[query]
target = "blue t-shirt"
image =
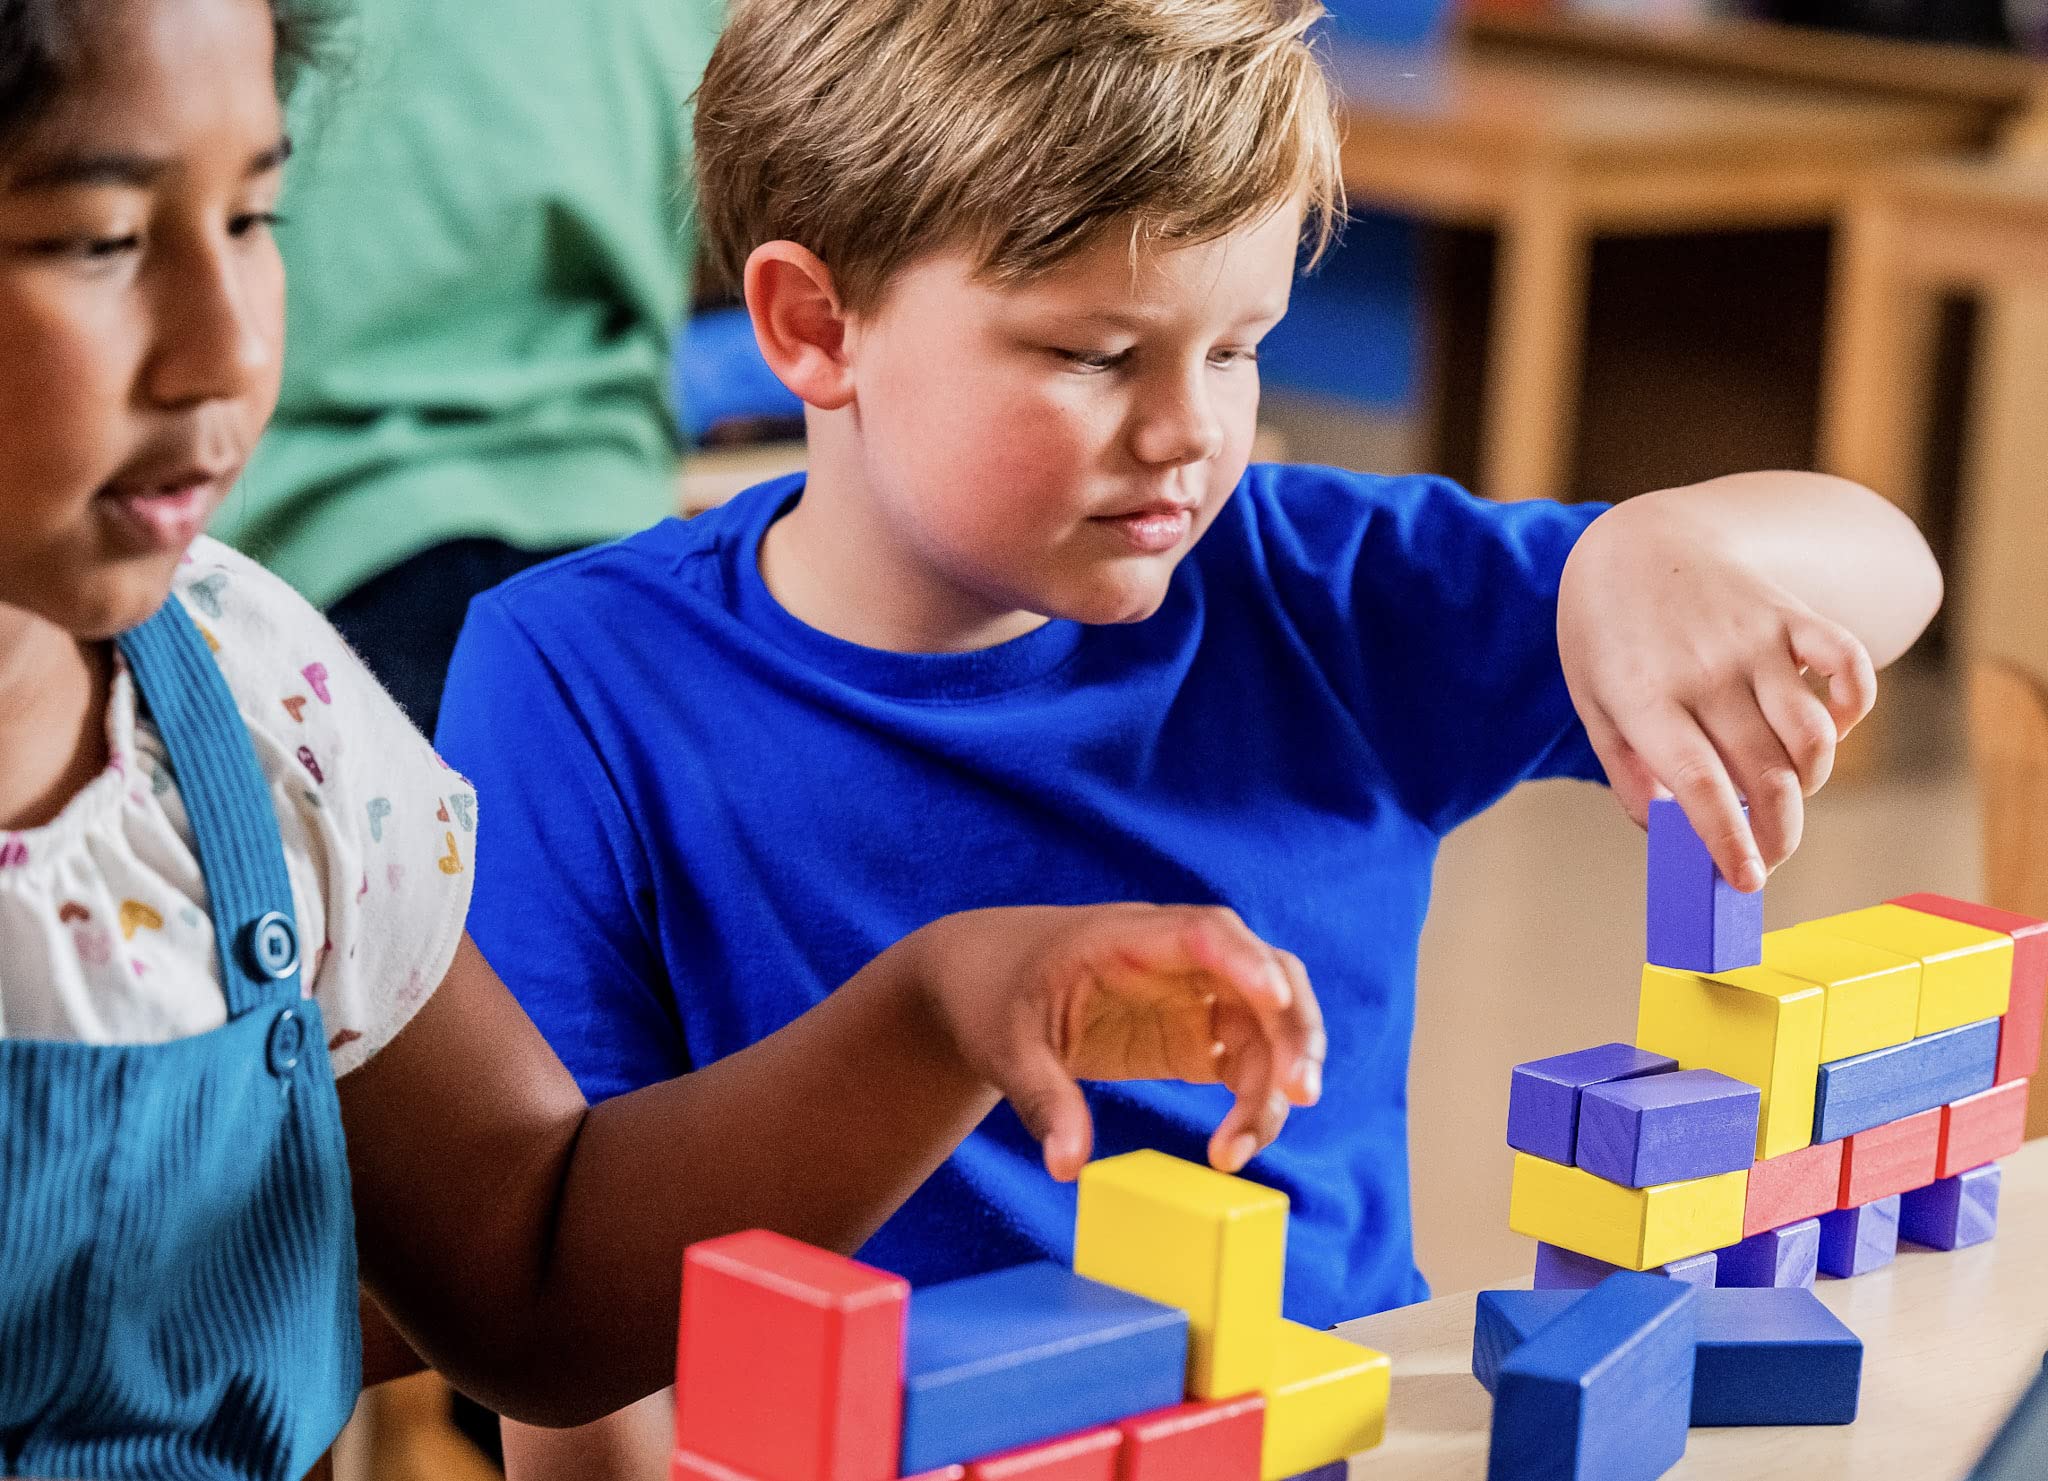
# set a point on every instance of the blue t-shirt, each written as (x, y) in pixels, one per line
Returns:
(700, 815)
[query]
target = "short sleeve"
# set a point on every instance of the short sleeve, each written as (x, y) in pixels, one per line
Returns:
(563, 909)
(1435, 615)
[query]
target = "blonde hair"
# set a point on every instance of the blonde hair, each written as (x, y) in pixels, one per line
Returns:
(874, 131)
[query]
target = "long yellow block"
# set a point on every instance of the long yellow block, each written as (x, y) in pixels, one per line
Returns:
(1326, 1399)
(1756, 1025)
(1873, 995)
(1966, 971)
(1213, 1245)
(1632, 1227)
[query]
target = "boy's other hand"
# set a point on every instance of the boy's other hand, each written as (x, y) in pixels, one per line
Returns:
(1691, 670)
(1037, 998)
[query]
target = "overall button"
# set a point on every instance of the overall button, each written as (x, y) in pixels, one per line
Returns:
(270, 947)
(287, 1039)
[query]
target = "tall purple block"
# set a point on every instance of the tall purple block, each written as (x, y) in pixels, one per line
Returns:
(1854, 1240)
(1560, 1269)
(1543, 1096)
(1775, 1259)
(1336, 1470)
(1667, 1128)
(1957, 1211)
(1698, 922)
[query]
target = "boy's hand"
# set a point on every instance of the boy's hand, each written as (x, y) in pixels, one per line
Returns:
(1039, 997)
(1691, 670)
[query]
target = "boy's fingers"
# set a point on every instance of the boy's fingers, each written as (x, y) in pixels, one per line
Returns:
(1206, 940)
(1802, 724)
(1825, 647)
(1050, 1104)
(1679, 753)
(1243, 1129)
(1299, 1055)
(1629, 778)
(1762, 772)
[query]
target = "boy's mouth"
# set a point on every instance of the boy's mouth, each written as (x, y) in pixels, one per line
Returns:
(1154, 529)
(164, 513)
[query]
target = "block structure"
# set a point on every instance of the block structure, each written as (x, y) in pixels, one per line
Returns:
(1799, 1185)
(1190, 1237)
(1754, 1025)
(1873, 995)
(1892, 1158)
(789, 1361)
(1853, 1095)
(1953, 1213)
(1326, 1399)
(1503, 1320)
(1774, 1357)
(1982, 1128)
(1089, 1455)
(1966, 971)
(1854, 1241)
(1544, 1094)
(1218, 1441)
(1668, 1128)
(1634, 1228)
(1560, 1269)
(1697, 921)
(2019, 1049)
(1777, 1259)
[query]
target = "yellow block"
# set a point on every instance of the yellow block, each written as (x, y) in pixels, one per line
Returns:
(1966, 971)
(1873, 995)
(1632, 1227)
(1755, 1024)
(1213, 1245)
(1326, 1399)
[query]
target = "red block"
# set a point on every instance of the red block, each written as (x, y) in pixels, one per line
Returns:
(687, 1465)
(1798, 1185)
(944, 1473)
(2019, 1039)
(1896, 1157)
(1982, 1128)
(1196, 1442)
(790, 1362)
(1090, 1455)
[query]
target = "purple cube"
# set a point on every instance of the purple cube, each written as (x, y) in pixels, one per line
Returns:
(1543, 1096)
(1953, 1213)
(1854, 1240)
(1776, 1259)
(1698, 922)
(1560, 1269)
(1668, 1128)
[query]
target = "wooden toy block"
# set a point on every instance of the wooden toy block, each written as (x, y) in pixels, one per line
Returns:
(1966, 971)
(1006, 1360)
(1982, 1128)
(1873, 995)
(1336, 1470)
(1953, 1213)
(1777, 1259)
(1559, 1269)
(1186, 1236)
(1543, 1095)
(1503, 1320)
(1855, 1240)
(1853, 1095)
(1755, 1025)
(789, 1362)
(1697, 921)
(943, 1473)
(687, 1465)
(1773, 1357)
(1326, 1399)
(1091, 1455)
(1799, 1185)
(2019, 1048)
(1891, 1158)
(1634, 1228)
(1668, 1128)
(1219, 1441)
(1603, 1392)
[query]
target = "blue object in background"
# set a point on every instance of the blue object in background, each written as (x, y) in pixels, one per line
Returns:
(721, 377)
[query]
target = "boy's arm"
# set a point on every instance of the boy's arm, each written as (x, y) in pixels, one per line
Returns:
(632, 1445)
(1689, 621)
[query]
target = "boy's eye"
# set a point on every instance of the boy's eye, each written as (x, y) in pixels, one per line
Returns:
(1093, 360)
(91, 249)
(254, 221)
(1247, 355)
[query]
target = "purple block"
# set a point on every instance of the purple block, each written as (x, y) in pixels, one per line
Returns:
(1776, 1259)
(1953, 1213)
(1698, 922)
(1854, 1240)
(1668, 1128)
(1543, 1096)
(1336, 1470)
(1560, 1269)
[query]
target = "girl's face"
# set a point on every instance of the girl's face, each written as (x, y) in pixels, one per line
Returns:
(141, 306)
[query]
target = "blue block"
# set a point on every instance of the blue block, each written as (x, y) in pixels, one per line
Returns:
(1560, 1269)
(1503, 1320)
(1775, 1259)
(1544, 1094)
(1953, 1213)
(1668, 1128)
(1774, 1357)
(1855, 1240)
(1890, 1084)
(1698, 922)
(1604, 1392)
(996, 1361)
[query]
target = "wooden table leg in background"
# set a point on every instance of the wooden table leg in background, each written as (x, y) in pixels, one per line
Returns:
(1532, 380)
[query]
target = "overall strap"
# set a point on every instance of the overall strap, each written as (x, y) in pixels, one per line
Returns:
(229, 802)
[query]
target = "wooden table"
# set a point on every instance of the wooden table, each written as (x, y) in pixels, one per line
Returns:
(1552, 154)
(1950, 1342)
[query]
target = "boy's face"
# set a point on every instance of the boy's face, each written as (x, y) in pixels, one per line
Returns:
(1057, 446)
(141, 307)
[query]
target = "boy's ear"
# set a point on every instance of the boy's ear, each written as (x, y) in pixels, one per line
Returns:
(799, 324)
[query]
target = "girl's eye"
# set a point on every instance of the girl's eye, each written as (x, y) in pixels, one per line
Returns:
(91, 249)
(253, 222)
(1093, 360)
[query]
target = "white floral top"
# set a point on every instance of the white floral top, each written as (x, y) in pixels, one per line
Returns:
(104, 931)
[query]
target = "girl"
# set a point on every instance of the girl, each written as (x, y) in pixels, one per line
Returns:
(244, 1042)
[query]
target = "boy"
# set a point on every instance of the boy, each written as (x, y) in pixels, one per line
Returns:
(1030, 631)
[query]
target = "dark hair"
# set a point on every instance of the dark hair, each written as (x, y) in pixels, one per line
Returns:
(43, 41)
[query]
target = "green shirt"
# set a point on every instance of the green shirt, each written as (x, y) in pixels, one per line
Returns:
(487, 237)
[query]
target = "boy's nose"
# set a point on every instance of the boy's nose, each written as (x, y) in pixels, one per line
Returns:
(1180, 430)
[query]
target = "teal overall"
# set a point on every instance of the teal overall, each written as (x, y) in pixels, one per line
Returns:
(177, 1248)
